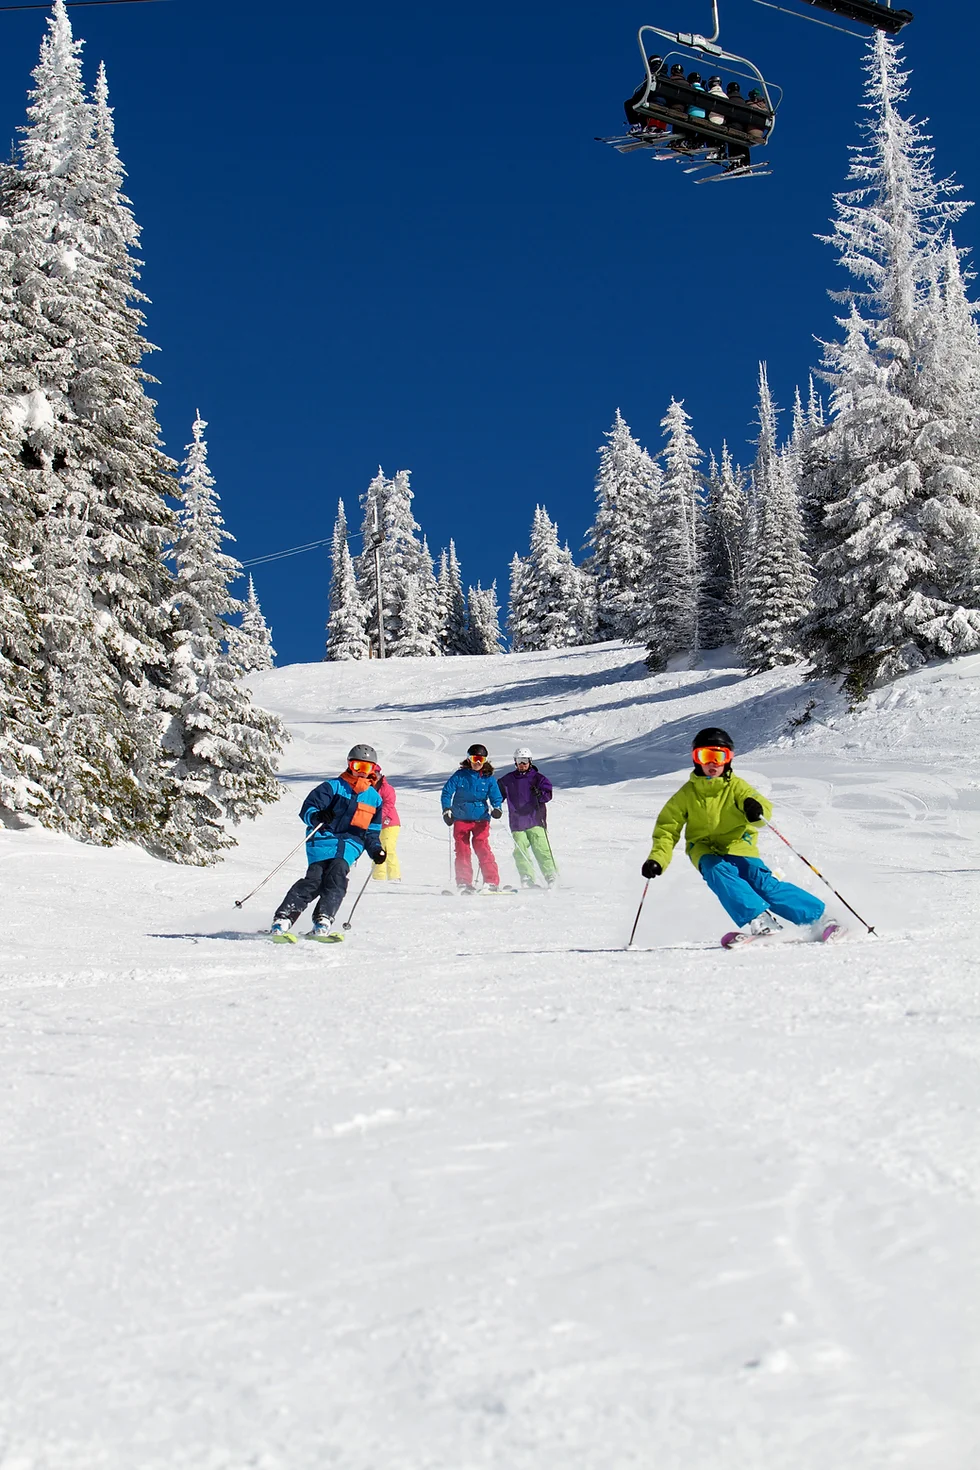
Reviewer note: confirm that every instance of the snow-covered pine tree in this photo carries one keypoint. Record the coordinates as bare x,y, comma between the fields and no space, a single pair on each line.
550,608
627,486
372,531
483,618
71,346
668,595
223,749
949,386
431,620
888,590
456,639
520,624
346,635
724,531
406,567
777,583
252,645
21,698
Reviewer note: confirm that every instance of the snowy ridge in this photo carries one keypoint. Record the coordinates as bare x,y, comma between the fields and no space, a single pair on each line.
479,1188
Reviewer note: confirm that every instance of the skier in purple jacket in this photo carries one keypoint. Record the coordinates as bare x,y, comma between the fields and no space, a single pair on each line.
527,792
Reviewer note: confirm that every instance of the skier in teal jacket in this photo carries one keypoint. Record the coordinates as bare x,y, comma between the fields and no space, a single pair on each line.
468,797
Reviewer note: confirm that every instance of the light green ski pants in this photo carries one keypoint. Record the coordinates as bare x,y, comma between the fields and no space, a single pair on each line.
535,840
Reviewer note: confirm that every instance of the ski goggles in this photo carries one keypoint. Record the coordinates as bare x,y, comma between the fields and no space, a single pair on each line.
712,755
476,760
362,768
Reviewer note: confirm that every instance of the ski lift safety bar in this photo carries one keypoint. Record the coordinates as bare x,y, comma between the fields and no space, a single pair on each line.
707,46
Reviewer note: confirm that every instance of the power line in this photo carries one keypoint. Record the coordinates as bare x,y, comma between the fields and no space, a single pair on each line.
291,551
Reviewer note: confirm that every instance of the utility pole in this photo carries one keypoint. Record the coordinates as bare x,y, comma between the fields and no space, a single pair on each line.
376,548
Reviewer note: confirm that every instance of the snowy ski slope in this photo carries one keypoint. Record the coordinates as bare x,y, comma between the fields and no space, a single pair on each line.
478,1188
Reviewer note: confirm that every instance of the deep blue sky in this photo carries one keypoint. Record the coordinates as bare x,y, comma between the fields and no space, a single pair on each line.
383,234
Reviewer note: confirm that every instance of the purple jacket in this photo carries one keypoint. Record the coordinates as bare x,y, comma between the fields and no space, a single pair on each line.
525,796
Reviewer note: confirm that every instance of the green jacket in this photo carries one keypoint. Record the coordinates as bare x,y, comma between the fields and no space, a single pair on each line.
711,811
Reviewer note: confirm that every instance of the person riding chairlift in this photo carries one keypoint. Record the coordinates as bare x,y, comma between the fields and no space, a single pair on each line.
645,124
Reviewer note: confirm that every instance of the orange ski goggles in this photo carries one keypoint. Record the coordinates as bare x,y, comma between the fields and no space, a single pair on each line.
712,755
476,760
362,768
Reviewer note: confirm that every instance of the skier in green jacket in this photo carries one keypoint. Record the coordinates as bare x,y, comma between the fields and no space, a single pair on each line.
720,814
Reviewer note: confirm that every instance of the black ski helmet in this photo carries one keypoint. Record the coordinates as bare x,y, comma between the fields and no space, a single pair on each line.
363,753
713,736
478,750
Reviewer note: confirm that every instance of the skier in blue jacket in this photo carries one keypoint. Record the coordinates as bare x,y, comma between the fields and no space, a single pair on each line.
467,797
343,819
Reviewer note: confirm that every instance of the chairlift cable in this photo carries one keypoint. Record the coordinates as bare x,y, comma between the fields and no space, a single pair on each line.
74,4
798,15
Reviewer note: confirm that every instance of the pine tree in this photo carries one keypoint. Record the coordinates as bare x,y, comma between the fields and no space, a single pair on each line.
777,583
724,531
551,609
431,620
519,622
252,644
365,565
889,593
223,749
627,488
85,437
669,592
456,639
346,635
483,618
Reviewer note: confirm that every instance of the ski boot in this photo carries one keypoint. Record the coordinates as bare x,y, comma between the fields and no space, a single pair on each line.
528,883
324,932
764,926
827,930
464,889
281,931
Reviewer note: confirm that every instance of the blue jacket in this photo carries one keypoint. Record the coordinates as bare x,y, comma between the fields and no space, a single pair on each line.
470,795
354,825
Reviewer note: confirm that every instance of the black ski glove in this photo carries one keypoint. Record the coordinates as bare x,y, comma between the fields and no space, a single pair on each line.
447,817
651,868
496,813
753,809
320,819
379,857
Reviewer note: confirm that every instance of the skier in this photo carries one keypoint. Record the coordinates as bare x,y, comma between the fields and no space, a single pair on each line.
467,797
720,814
391,827
347,810
527,792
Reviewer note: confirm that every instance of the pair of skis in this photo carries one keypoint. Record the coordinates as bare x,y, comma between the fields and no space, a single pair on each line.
735,939
288,937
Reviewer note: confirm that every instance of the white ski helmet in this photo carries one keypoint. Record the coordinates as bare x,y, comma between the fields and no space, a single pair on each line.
522,754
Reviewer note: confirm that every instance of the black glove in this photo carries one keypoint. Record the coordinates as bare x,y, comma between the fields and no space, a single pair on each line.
651,868
380,856
753,809
447,817
496,812
320,819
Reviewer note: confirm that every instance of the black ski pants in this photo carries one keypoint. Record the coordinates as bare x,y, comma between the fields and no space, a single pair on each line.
325,882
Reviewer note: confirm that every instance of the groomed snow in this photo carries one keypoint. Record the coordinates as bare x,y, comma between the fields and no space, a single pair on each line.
479,1188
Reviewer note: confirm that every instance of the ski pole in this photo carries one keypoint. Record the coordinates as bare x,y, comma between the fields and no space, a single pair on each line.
822,879
551,854
452,867
638,912
295,850
357,900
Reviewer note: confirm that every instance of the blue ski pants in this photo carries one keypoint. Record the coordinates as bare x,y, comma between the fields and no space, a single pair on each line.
746,888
